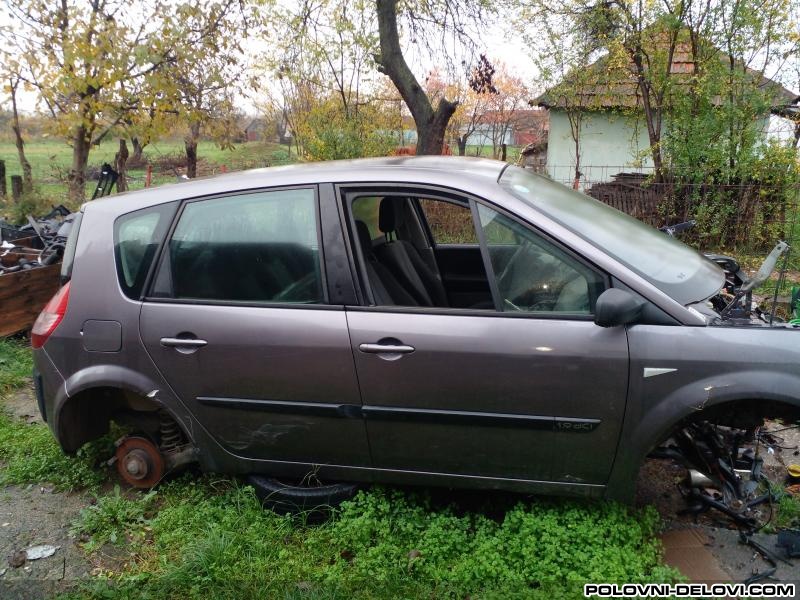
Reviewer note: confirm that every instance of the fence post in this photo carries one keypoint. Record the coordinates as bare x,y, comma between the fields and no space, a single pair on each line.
148,178
503,151
223,169
3,190
16,187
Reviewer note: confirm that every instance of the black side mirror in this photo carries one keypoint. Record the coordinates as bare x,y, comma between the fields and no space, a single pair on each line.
617,307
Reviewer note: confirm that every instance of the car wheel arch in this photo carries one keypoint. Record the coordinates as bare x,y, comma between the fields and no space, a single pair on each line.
762,392
91,397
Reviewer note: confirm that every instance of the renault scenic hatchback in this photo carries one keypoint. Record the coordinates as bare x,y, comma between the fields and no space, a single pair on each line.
423,320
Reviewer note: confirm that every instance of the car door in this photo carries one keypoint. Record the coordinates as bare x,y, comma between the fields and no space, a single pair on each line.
529,389
239,323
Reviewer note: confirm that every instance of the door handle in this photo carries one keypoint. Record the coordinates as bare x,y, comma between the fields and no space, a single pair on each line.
183,342
386,349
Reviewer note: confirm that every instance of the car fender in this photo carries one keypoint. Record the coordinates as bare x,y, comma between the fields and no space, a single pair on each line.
649,421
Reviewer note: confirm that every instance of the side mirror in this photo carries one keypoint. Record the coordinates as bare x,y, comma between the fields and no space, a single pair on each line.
617,307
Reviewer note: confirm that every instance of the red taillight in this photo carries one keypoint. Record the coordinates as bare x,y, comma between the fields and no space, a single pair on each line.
50,317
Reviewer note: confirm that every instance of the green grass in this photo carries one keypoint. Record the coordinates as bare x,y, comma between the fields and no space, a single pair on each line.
16,364
212,539
28,452
50,161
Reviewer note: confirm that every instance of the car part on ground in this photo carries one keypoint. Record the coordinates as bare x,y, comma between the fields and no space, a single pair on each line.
309,497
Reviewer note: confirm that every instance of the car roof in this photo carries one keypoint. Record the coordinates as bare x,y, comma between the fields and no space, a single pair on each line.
436,170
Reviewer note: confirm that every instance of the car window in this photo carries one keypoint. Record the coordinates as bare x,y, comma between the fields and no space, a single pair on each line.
365,209
258,247
534,275
449,223
137,236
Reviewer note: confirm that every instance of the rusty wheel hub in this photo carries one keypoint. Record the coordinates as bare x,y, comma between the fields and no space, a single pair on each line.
139,462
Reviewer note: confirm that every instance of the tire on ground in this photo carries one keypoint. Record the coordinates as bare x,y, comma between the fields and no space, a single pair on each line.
315,502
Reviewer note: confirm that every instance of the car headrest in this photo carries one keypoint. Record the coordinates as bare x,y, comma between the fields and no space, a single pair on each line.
364,238
390,214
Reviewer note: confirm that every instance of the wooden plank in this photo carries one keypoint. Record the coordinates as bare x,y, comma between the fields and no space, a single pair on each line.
23,295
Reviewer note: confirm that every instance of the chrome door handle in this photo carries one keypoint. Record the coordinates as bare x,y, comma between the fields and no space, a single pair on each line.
183,342
386,348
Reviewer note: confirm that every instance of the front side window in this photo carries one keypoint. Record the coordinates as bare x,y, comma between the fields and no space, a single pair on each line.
449,223
534,275
259,247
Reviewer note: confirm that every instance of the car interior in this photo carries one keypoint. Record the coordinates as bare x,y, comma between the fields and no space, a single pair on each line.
404,265
425,252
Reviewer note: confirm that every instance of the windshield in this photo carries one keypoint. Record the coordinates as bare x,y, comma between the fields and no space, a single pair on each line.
673,267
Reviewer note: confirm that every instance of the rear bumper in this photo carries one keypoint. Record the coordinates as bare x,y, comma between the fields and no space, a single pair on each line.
49,384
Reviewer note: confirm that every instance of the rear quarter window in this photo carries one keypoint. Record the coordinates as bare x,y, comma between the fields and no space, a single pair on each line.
136,239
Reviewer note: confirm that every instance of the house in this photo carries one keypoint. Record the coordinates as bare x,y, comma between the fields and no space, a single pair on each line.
519,127
602,116
255,130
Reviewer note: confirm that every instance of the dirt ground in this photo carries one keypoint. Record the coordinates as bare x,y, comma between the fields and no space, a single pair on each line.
35,515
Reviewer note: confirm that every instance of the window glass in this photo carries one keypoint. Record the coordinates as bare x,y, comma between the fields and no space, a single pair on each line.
137,237
670,265
449,223
534,275
260,247
365,209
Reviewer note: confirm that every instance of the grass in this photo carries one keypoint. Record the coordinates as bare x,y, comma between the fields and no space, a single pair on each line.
50,161
28,452
209,538
16,365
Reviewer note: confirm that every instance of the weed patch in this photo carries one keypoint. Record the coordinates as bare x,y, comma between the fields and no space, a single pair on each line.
213,539
30,454
114,518
16,364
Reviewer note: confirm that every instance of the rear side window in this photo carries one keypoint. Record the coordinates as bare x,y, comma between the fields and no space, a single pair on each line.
256,247
69,250
137,236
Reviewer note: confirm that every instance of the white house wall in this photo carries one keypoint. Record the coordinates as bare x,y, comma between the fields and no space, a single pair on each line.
609,143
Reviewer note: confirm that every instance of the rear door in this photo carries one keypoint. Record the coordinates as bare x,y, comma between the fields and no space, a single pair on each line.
240,323
529,388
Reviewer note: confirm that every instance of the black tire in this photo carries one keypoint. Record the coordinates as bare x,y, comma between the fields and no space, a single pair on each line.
314,502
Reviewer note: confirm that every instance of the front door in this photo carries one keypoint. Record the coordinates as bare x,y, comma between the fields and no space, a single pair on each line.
528,389
238,324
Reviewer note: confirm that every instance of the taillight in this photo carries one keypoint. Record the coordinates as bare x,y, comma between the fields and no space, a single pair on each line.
50,317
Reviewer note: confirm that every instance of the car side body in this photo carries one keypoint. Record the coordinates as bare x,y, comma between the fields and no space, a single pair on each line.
484,398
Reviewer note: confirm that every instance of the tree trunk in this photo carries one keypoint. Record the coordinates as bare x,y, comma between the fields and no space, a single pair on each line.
190,144
462,145
27,174
431,124
120,162
138,151
76,178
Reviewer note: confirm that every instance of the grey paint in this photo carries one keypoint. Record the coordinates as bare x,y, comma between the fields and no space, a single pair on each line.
479,368
102,336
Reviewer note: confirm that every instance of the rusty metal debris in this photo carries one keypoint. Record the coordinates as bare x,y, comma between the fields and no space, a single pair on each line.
40,242
30,257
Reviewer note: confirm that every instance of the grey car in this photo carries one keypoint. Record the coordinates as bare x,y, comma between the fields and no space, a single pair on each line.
419,320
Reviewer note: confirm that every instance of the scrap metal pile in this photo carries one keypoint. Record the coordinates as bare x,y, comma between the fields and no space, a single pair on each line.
38,243
30,257
727,476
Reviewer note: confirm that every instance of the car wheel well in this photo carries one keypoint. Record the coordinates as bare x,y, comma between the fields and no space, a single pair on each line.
743,414
746,414
88,414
